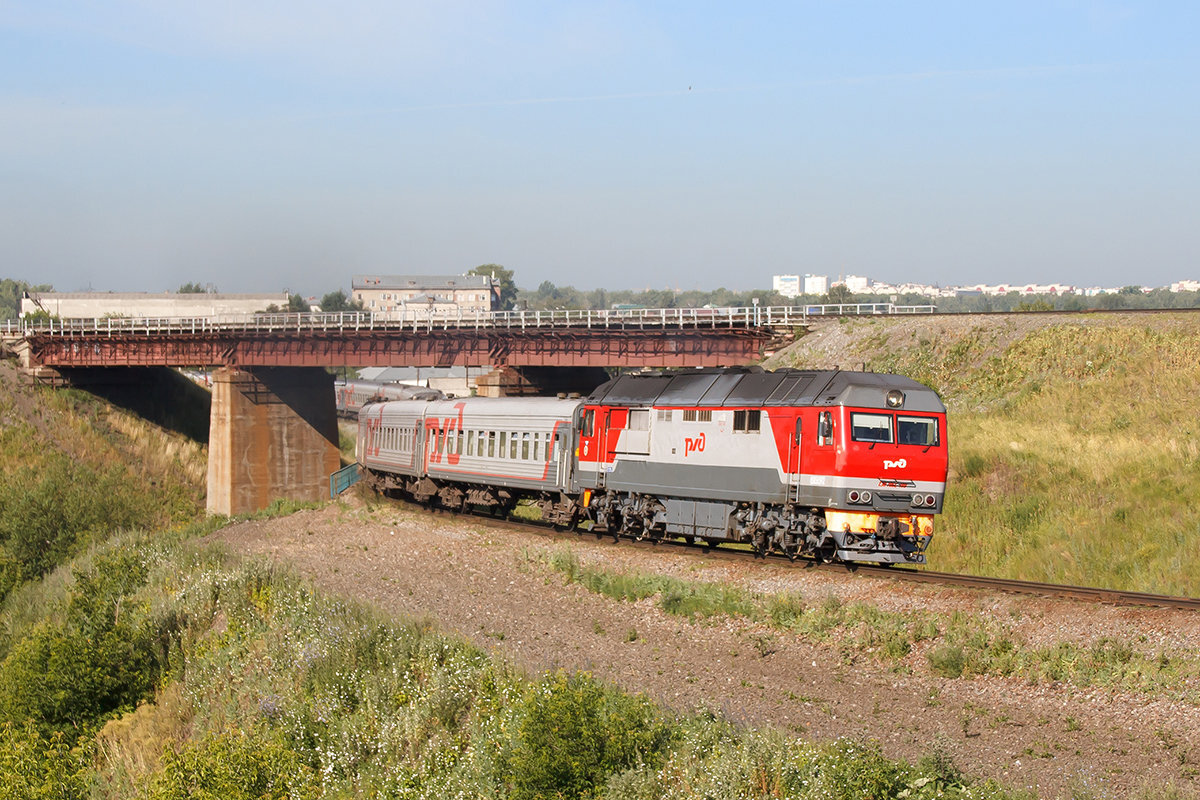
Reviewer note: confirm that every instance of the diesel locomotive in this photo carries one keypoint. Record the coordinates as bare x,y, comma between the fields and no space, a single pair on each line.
835,465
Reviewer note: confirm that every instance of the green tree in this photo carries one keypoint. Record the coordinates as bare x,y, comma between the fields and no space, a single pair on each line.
193,288
508,288
338,301
11,292
840,293
296,303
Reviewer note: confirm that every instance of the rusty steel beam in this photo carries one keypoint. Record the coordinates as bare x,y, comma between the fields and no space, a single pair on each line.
558,347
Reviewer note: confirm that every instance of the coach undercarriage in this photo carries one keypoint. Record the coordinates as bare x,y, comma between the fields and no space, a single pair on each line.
788,529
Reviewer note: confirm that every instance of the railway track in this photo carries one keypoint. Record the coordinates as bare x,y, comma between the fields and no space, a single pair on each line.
1086,594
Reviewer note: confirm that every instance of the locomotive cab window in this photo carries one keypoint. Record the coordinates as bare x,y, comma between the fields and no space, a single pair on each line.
873,428
922,431
825,428
589,422
747,421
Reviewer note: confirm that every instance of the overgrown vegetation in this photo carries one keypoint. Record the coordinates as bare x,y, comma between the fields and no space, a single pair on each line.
952,644
266,688
73,469
1075,446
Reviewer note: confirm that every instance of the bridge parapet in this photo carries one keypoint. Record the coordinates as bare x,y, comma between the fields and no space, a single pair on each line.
415,320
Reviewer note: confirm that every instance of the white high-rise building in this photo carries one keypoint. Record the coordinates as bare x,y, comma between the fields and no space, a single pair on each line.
816,284
786,285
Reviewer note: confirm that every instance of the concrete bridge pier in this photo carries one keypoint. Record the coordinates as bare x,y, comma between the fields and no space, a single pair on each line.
272,434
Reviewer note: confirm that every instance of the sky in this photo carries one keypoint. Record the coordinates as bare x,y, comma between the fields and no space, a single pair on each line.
263,145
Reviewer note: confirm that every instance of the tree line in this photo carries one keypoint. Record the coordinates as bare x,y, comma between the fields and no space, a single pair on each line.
547,296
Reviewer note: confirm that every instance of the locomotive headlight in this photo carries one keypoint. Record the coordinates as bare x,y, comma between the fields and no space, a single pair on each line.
894,398
918,500
866,497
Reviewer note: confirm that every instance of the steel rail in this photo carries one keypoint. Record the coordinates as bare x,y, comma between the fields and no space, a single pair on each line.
1086,594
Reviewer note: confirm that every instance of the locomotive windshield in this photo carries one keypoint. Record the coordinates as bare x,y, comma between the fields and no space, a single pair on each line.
878,428
917,430
871,427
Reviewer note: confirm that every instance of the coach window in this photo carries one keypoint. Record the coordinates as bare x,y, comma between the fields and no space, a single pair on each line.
491,444
874,428
825,428
458,448
503,443
747,421
470,442
512,445
525,446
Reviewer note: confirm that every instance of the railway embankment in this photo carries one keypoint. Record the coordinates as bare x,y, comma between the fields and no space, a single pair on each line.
1075,439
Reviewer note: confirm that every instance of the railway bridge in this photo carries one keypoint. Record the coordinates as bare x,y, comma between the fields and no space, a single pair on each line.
272,426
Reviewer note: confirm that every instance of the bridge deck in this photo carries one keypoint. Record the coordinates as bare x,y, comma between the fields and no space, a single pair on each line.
628,337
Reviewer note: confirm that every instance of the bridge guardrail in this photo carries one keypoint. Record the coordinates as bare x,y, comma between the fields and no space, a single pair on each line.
747,317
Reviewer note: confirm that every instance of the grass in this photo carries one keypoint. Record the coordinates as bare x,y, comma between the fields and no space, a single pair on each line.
270,688
1074,447
949,644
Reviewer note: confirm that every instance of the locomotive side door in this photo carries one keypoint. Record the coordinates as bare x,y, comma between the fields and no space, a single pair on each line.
602,450
793,463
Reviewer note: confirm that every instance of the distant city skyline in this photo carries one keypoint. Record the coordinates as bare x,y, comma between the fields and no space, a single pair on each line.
274,145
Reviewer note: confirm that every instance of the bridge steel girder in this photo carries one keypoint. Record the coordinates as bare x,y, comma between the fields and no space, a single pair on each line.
545,347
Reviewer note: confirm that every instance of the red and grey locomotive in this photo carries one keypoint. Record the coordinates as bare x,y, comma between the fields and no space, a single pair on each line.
838,465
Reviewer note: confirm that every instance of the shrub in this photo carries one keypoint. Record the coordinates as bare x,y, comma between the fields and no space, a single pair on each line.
37,767
234,765
67,675
573,734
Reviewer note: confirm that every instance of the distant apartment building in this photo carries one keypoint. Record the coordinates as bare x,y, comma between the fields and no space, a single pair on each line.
786,285
434,293
857,284
1185,286
816,284
167,305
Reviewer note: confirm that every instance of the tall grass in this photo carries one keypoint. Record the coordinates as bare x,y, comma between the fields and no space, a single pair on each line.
77,469
1075,447
271,689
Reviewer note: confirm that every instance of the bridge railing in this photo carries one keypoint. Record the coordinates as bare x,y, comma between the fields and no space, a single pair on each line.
414,319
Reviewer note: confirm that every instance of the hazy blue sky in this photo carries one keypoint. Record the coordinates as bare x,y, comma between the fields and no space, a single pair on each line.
269,145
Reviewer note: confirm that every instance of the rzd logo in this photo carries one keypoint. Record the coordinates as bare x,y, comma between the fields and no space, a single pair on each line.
900,463
695,445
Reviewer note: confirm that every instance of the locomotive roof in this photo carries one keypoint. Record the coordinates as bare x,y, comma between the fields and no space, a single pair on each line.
756,387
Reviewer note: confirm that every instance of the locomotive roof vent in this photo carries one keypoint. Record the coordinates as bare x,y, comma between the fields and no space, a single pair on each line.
894,398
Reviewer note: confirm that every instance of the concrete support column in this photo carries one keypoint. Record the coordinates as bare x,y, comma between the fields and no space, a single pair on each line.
272,434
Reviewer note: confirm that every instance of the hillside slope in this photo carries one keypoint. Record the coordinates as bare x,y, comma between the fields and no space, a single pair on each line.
74,468
1075,439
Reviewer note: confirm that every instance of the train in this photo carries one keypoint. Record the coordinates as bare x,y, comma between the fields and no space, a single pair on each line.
828,464
351,395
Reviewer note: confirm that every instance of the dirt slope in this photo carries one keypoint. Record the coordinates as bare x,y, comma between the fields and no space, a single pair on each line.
491,587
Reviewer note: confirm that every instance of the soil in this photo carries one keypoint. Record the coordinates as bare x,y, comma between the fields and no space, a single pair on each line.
491,586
